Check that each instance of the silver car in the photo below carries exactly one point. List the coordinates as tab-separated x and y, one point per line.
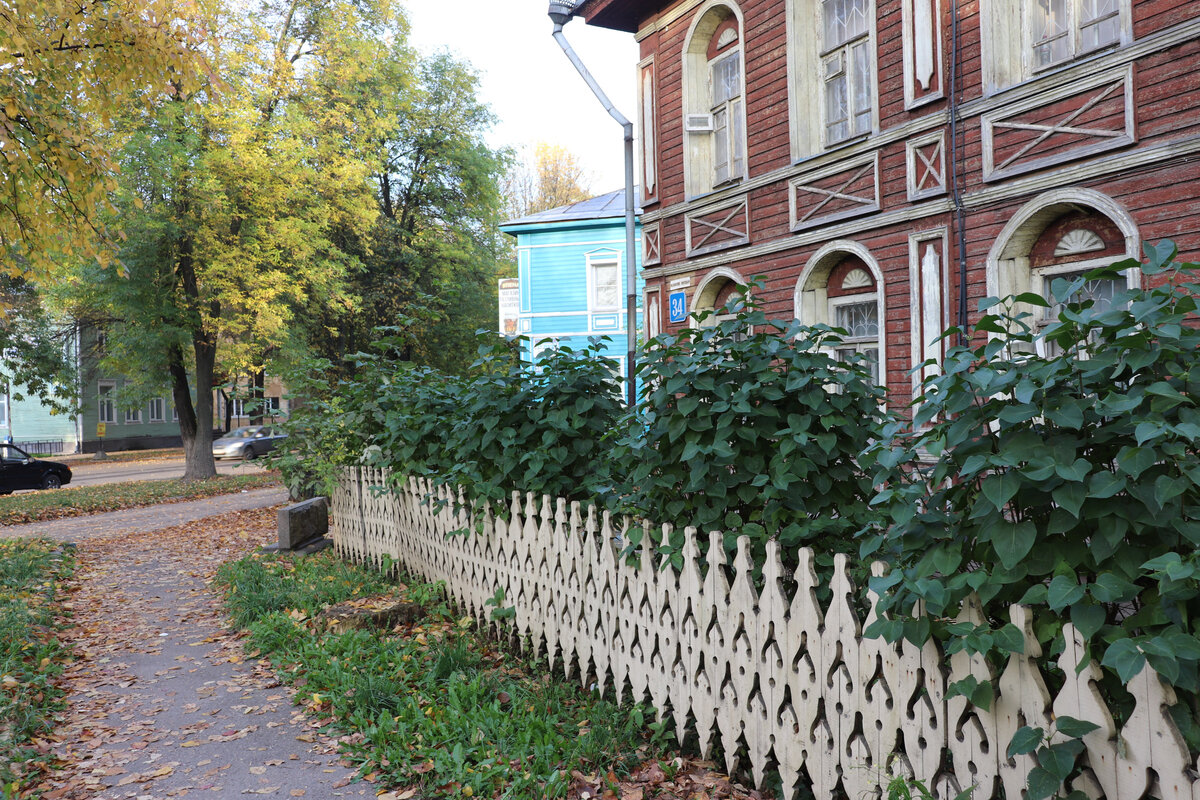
249	442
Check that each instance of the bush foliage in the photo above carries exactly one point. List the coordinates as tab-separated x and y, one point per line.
1050	460
1069	483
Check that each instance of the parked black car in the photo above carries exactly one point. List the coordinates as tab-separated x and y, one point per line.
19	470
249	442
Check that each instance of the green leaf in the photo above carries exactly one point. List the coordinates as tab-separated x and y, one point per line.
1025	741
1074	728
1062	592
1012	541
1000	488
1010	639
1042	784
1124	657
1087	619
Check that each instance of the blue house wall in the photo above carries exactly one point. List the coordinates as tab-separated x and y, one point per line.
562	254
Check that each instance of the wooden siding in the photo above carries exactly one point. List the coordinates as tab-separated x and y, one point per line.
1145	160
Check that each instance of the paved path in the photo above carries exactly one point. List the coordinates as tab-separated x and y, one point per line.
151	518
163	700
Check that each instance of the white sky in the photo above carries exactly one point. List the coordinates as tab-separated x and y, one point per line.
527	80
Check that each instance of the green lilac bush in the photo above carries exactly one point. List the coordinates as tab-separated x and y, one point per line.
1057	468
752	427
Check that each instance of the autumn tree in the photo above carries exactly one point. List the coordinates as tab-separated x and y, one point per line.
430	261
65	69
236	195
552	177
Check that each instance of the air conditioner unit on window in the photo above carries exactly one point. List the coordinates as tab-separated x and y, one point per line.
698	123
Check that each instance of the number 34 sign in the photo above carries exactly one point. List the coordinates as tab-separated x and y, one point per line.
678	306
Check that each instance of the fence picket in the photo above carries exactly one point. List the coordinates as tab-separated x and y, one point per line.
786	682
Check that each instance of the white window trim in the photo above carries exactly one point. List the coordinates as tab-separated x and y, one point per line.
1007	43
927	300
162	416
653	314
603	258
133	416
811	303
105	400
806	90
1007	268
698	163
705	296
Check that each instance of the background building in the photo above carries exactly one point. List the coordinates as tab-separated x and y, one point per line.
571	271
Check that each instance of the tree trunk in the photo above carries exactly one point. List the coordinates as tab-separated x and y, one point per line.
198	453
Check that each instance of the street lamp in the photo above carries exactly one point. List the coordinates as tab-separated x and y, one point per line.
561	12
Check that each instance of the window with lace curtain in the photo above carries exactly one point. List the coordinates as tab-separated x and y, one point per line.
846	68
1022	38
1064	29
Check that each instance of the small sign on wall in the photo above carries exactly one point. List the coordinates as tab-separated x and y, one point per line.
509	292
678	306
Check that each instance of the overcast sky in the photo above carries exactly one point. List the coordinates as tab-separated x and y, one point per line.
528	81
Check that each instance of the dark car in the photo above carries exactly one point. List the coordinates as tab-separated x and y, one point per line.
19	470
249	442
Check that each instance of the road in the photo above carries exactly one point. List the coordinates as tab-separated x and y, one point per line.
86	472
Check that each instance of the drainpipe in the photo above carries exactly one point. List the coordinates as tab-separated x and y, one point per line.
960	223
561	12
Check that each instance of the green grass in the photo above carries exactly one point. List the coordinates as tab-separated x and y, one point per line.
74	501
30	656
438	706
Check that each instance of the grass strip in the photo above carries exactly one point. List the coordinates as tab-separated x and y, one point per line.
432	704
30	656
75	501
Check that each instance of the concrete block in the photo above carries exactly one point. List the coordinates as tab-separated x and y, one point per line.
302	522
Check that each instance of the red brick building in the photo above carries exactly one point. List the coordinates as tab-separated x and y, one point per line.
885	164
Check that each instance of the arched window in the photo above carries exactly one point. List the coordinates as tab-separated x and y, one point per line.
832	72
714	293
841	286
1062	234
714	100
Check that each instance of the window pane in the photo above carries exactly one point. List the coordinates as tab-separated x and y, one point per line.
1051	26
856	18
737	141
727	78
721	145
837	112
608	290
1100	291
861	59
835	22
1100	24
860	320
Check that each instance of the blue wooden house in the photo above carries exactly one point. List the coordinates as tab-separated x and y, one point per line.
571	271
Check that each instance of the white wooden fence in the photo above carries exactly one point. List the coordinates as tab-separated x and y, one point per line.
780	681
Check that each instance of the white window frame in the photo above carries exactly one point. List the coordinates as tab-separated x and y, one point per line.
106	407
812	304
859	344
806	77
699	158
133	416
159	403
1072	34
595	262
728	166
4	405
653	314
1008	41
849	75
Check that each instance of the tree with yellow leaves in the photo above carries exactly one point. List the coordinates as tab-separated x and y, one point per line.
237	195
67	67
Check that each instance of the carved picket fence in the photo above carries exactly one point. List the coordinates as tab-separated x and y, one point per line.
780	681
